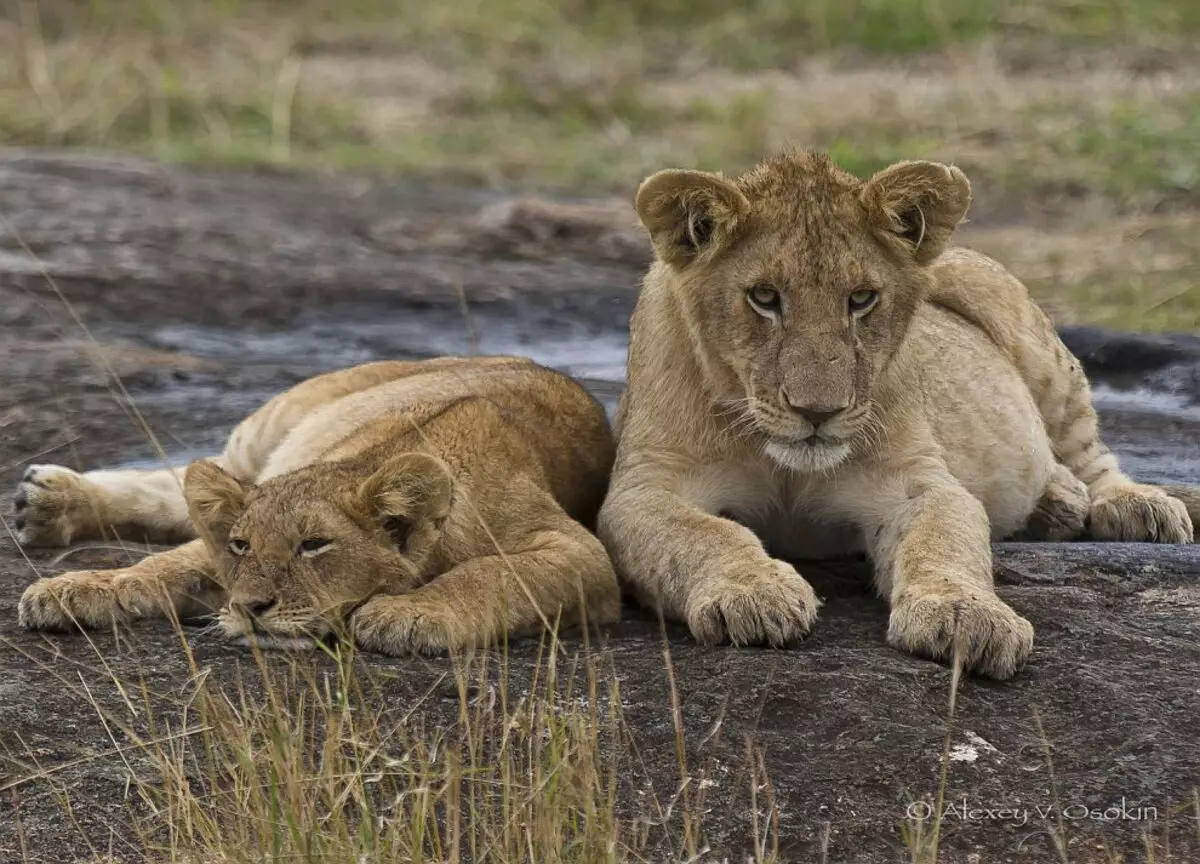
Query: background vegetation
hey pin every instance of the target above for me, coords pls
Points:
(1078, 120)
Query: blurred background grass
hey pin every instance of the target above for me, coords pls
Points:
(1078, 120)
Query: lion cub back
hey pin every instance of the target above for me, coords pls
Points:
(534, 415)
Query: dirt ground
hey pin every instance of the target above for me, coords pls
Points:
(206, 291)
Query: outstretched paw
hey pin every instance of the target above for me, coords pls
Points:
(87, 598)
(52, 507)
(409, 625)
(762, 602)
(1135, 513)
(972, 624)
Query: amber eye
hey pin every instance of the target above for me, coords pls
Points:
(862, 300)
(764, 299)
(313, 545)
(238, 547)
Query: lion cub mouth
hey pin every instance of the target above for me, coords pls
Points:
(250, 633)
(813, 454)
(267, 642)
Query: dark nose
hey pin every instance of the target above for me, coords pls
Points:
(253, 608)
(817, 416)
(814, 414)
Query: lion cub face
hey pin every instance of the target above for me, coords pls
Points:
(798, 282)
(297, 553)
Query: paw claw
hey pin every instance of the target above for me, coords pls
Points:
(52, 507)
(1061, 513)
(976, 626)
(1135, 513)
(401, 626)
(65, 603)
(762, 603)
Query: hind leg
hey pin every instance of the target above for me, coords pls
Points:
(56, 506)
(1137, 513)
(1062, 511)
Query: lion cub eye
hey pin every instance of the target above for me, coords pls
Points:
(764, 300)
(313, 545)
(238, 547)
(862, 300)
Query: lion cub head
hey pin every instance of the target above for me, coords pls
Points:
(797, 283)
(298, 552)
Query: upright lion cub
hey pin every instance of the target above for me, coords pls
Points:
(810, 375)
(436, 505)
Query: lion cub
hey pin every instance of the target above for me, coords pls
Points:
(435, 505)
(809, 374)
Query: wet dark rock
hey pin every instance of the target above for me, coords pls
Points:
(211, 291)
(1169, 362)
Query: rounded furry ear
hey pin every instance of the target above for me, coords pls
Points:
(689, 213)
(916, 206)
(410, 494)
(215, 499)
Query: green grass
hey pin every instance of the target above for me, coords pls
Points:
(587, 96)
(306, 758)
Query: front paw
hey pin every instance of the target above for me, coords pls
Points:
(972, 623)
(1139, 514)
(408, 625)
(52, 507)
(83, 599)
(763, 601)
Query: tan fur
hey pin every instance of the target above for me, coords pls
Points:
(801, 427)
(434, 505)
(987, 295)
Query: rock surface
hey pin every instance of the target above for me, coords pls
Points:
(204, 292)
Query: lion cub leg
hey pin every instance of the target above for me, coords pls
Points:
(1121, 510)
(700, 568)
(55, 506)
(178, 581)
(561, 572)
(1062, 511)
(930, 543)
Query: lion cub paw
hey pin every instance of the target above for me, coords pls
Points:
(1139, 514)
(764, 602)
(408, 625)
(52, 507)
(86, 598)
(1062, 511)
(990, 637)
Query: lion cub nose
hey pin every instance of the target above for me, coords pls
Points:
(816, 414)
(253, 608)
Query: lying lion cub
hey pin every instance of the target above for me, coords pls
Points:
(433, 504)
(806, 368)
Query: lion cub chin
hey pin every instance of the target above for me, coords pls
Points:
(416, 507)
(807, 352)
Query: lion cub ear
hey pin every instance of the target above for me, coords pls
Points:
(409, 497)
(215, 500)
(689, 213)
(915, 206)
